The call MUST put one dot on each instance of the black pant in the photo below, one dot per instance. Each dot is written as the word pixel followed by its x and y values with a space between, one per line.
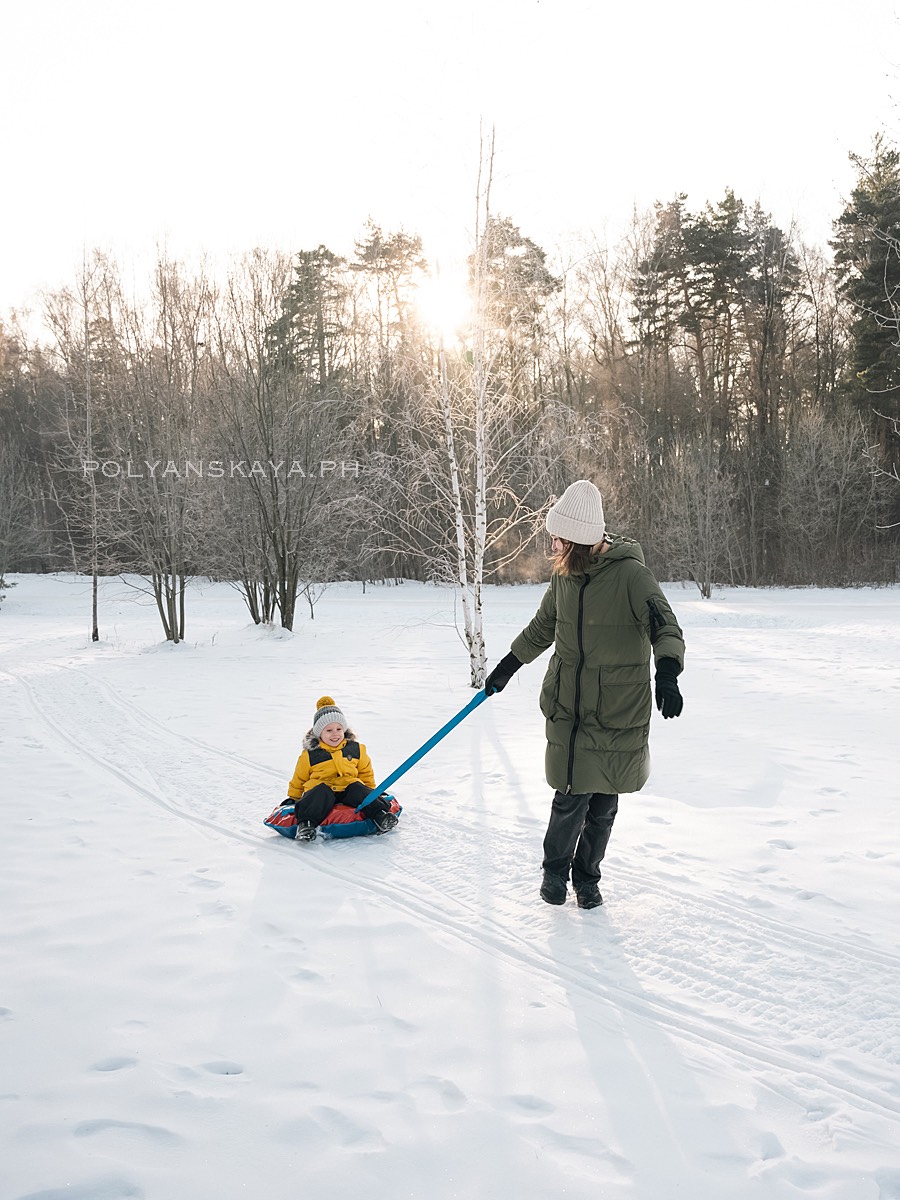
pixel 315 805
pixel 578 834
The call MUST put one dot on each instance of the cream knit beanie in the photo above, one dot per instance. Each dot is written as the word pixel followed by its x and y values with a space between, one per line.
pixel 577 516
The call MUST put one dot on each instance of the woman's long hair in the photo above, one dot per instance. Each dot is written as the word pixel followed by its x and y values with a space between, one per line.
pixel 573 559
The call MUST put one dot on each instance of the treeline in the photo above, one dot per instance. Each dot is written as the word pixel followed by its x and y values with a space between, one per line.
pixel 731 390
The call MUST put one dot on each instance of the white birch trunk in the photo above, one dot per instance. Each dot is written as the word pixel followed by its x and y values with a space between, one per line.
pixel 477 654
pixel 468 601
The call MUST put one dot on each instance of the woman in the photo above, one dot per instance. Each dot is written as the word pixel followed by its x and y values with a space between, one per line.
pixel 603 613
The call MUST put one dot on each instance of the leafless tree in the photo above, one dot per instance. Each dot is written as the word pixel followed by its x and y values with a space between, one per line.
pixel 828 499
pixel 696 502
pixel 291 438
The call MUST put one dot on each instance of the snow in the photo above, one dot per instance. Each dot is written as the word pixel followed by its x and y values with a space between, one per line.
pixel 192 1007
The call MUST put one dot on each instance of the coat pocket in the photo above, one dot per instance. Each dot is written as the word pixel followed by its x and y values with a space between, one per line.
pixel 624 701
pixel 550 689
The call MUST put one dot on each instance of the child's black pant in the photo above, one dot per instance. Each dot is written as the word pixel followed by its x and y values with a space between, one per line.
pixel 315 805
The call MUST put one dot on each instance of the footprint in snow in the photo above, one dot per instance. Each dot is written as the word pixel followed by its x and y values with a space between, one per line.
pixel 445 1091
pixel 347 1132
pixel 322 1128
pixel 201 881
pixel 223 1068
pixel 113 1064
pixel 303 975
pixel 158 1135
pixel 530 1105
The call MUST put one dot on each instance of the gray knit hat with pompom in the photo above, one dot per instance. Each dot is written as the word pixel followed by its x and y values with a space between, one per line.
pixel 327 713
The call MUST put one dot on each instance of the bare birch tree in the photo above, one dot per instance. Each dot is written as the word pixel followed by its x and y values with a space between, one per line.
pixel 462 492
pixel 72 316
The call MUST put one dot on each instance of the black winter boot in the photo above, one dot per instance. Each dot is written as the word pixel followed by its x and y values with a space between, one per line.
pixel 306 831
pixel 385 822
pixel 553 889
pixel 588 896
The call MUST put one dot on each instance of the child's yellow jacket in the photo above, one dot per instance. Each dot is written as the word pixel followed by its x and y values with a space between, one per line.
pixel 338 766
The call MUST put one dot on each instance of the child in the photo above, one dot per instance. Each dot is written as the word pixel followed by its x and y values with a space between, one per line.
pixel 334 768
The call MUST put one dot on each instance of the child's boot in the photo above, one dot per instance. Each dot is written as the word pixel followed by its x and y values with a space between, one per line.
pixel 306 831
pixel 385 822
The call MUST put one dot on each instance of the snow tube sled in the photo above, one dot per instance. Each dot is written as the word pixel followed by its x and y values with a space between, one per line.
pixel 341 822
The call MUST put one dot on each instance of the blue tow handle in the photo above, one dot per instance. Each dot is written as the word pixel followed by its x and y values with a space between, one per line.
pixel 477 699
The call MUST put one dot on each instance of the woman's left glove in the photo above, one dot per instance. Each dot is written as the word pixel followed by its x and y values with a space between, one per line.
pixel 669 700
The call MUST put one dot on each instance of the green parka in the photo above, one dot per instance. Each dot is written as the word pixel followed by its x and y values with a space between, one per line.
pixel 596 694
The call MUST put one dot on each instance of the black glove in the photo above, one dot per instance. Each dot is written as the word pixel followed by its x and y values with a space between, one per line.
pixel 375 808
pixel 669 700
pixel 501 674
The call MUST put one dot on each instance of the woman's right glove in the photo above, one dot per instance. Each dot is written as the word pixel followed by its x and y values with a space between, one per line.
pixel 502 674
pixel 669 700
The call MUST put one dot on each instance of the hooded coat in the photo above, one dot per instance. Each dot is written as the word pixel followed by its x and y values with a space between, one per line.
pixel 596 694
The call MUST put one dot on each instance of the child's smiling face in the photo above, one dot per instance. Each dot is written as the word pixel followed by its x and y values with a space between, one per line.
pixel 332 735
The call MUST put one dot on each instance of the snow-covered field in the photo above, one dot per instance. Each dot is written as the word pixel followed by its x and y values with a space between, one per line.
pixel 192 1008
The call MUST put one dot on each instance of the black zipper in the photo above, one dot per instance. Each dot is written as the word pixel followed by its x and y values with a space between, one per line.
pixel 656 620
pixel 578 670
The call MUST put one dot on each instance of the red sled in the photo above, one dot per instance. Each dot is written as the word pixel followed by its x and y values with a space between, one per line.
pixel 342 821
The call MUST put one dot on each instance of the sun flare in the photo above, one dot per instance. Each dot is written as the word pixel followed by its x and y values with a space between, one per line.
pixel 444 305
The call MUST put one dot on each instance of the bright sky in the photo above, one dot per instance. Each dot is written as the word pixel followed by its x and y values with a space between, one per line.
pixel 220 126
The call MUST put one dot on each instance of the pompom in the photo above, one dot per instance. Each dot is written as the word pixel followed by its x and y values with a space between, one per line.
pixel 325 702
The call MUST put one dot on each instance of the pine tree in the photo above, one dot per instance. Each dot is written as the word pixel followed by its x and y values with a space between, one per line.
pixel 867 261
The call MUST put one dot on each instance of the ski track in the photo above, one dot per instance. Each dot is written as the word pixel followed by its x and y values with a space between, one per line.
pixel 784 1000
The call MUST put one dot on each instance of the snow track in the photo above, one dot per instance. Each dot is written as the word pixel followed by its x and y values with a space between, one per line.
pixel 793 1006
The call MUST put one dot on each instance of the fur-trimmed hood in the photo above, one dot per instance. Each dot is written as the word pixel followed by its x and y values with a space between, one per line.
pixel 311 742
